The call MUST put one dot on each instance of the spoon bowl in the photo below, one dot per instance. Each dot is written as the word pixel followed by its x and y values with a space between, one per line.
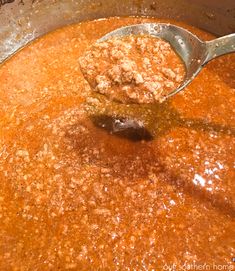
pixel 194 52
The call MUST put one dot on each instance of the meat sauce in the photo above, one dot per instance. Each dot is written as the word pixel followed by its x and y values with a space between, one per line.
pixel 89 184
pixel 133 69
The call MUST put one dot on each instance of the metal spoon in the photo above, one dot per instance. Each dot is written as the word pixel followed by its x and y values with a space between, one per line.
pixel 194 52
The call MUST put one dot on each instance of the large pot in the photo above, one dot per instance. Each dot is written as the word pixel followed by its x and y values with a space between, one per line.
pixel 24 20
pixel 21 21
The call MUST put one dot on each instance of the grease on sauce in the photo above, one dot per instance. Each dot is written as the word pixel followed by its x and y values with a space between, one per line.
pixel 79 190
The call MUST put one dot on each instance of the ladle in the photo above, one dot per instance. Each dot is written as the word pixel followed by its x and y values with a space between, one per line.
pixel 194 52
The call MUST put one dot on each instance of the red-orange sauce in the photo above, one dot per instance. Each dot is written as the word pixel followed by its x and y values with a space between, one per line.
pixel 79 191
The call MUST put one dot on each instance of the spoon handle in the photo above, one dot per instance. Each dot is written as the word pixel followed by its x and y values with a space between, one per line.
pixel 220 46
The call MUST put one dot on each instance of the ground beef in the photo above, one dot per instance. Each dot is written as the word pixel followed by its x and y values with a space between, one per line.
pixel 133 69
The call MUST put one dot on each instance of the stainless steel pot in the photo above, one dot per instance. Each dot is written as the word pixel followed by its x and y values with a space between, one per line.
pixel 21 21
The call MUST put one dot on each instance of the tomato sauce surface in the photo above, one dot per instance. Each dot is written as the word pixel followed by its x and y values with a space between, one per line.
pixel 89 184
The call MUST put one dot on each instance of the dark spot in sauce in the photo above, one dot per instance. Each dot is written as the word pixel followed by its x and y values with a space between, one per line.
pixel 122 127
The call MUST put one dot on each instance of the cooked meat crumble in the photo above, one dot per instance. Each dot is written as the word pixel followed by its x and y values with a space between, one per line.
pixel 133 69
pixel 77 194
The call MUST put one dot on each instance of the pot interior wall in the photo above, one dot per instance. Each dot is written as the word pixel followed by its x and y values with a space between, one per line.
pixel 21 21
